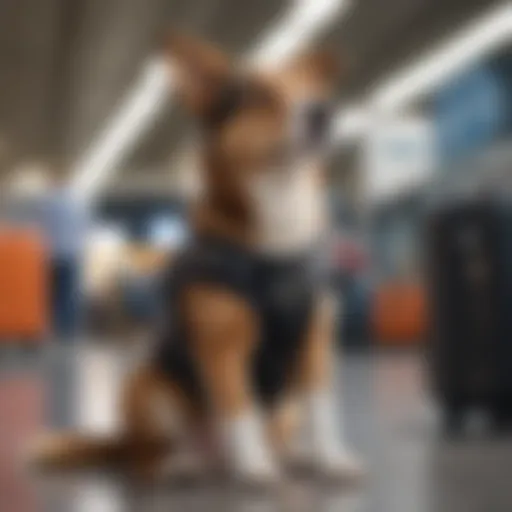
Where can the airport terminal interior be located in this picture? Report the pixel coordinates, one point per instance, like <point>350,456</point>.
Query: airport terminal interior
<point>99,168</point>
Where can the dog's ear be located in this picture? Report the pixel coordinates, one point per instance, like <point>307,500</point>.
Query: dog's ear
<point>199,69</point>
<point>322,67</point>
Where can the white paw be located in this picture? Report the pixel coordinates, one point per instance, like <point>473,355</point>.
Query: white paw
<point>261,474</point>
<point>340,466</point>
<point>248,455</point>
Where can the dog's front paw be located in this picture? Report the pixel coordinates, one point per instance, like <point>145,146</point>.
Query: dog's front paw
<point>249,458</point>
<point>341,466</point>
<point>262,473</point>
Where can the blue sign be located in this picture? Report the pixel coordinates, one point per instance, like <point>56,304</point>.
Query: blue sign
<point>473,111</point>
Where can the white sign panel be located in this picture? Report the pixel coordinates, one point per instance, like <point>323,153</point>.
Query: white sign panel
<point>398,156</point>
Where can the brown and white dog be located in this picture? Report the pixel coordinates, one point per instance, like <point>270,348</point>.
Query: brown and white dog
<point>263,190</point>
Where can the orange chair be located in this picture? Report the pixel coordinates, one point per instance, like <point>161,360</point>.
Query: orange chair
<point>23,285</point>
<point>399,314</point>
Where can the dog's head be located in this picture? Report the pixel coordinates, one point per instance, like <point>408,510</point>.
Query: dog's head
<point>255,120</point>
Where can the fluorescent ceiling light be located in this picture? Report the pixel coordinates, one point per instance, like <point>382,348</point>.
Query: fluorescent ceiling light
<point>133,118</point>
<point>481,37</point>
<point>295,30</point>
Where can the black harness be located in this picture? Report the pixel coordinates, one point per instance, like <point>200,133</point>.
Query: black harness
<point>281,291</point>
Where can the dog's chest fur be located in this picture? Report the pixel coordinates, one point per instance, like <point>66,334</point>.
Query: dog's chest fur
<point>288,208</point>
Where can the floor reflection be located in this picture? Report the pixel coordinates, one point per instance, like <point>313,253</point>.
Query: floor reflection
<point>389,420</point>
<point>99,493</point>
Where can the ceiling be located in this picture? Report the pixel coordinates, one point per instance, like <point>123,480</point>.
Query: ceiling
<point>65,65</point>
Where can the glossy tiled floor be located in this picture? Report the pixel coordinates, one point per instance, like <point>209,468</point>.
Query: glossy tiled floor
<point>389,420</point>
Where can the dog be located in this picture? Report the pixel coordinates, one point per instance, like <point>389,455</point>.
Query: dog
<point>241,369</point>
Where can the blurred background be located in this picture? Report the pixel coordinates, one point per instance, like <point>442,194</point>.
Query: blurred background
<point>96,169</point>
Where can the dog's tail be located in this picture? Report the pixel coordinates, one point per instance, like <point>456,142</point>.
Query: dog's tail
<point>75,451</point>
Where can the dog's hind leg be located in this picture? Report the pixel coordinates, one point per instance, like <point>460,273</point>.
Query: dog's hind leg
<point>157,420</point>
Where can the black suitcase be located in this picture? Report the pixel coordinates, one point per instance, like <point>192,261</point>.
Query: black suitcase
<point>469,277</point>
